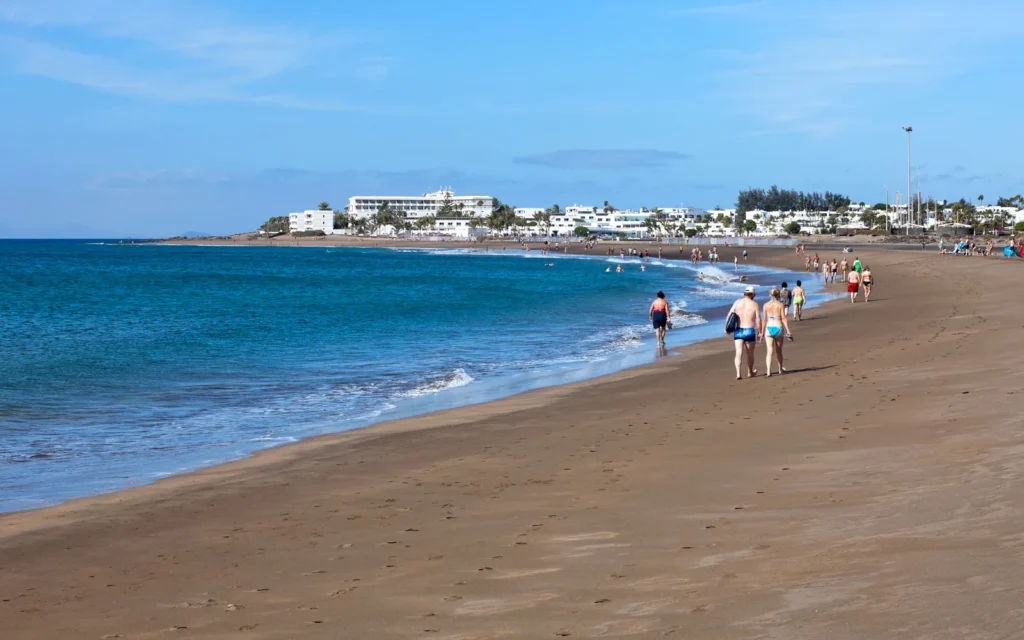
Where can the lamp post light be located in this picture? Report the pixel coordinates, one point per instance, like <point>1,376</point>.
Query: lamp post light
<point>908,129</point>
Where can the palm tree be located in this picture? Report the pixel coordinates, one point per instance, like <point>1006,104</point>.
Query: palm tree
<point>981,199</point>
<point>324,206</point>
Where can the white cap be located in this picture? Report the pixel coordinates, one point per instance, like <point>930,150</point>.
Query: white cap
<point>748,290</point>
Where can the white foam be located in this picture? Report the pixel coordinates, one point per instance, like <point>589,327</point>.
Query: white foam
<point>453,380</point>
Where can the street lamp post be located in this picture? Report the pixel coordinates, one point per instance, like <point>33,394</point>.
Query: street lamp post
<point>908,129</point>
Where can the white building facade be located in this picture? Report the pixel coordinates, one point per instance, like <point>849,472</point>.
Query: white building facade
<point>311,221</point>
<point>429,204</point>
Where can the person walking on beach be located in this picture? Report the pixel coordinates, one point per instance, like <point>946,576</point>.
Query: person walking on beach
<point>773,322</point>
<point>799,297</point>
<point>856,265</point>
<point>853,286</point>
<point>785,297</point>
<point>844,266</point>
<point>866,281</point>
<point>745,337</point>
<point>658,315</point>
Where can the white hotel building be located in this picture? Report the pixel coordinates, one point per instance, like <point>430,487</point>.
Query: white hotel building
<point>311,221</point>
<point>363,207</point>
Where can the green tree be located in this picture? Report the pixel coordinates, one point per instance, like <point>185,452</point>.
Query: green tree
<point>1019,227</point>
<point>689,233</point>
<point>607,207</point>
<point>740,219</point>
<point>750,226</point>
<point>278,224</point>
<point>868,218</point>
<point>881,206</point>
<point>792,228</point>
<point>324,206</point>
<point>447,208</point>
<point>581,231</point>
<point>981,199</point>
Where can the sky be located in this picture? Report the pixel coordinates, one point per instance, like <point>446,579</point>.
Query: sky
<point>150,118</point>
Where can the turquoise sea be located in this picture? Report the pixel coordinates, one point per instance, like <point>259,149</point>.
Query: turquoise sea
<point>121,364</point>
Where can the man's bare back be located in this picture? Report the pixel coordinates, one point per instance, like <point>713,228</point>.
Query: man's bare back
<point>747,311</point>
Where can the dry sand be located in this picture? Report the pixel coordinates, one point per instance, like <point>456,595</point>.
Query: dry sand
<point>874,492</point>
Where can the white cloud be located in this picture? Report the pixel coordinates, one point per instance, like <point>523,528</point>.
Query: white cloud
<point>815,66</point>
<point>164,50</point>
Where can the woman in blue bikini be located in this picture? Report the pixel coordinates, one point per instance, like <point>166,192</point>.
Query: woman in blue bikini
<point>774,327</point>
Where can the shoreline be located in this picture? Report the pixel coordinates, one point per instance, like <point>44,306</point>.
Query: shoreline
<point>547,377</point>
<point>865,490</point>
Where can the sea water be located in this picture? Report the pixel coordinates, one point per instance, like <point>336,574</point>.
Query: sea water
<point>121,364</point>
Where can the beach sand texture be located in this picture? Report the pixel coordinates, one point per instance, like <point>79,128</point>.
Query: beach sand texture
<point>874,492</point>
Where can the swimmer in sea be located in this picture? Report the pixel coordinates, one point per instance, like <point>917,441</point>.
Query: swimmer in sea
<point>608,270</point>
<point>799,297</point>
<point>643,268</point>
<point>658,315</point>
<point>773,323</point>
<point>618,269</point>
<point>745,337</point>
<point>700,276</point>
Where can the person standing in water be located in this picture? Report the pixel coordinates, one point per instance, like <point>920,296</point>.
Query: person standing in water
<point>866,281</point>
<point>773,323</point>
<point>745,337</point>
<point>799,297</point>
<point>658,315</point>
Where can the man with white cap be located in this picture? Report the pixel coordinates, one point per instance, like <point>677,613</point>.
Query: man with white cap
<point>745,336</point>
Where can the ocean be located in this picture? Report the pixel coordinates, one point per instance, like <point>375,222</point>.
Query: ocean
<point>122,364</point>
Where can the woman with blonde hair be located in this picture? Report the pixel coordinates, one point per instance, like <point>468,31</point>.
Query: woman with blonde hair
<point>866,280</point>
<point>773,324</point>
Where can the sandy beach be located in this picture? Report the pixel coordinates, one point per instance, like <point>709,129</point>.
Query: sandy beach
<point>872,492</point>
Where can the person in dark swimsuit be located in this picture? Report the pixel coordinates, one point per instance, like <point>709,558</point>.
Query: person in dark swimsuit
<point>658,315</point>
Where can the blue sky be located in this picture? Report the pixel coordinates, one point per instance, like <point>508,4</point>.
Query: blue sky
<point>157,117</point>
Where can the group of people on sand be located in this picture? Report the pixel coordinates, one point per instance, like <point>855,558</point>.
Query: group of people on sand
<point>750,324</point>
<point>856,276</point>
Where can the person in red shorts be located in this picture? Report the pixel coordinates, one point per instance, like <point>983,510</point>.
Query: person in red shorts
<point>853,285</point>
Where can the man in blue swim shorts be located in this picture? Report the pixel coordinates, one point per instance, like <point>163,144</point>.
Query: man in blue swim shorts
<point>745,337</point>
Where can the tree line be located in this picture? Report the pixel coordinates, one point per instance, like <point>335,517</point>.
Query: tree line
<point>775,199</point>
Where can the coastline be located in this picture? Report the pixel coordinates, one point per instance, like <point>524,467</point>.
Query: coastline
<point>623,347</point>
<point>575,460</point>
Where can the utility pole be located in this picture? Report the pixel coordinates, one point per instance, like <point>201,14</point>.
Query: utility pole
<point>920,218</point>
<point>908,129</point>
<point>887,208</point>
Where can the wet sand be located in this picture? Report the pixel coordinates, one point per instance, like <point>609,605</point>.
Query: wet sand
<point>872,492</point>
